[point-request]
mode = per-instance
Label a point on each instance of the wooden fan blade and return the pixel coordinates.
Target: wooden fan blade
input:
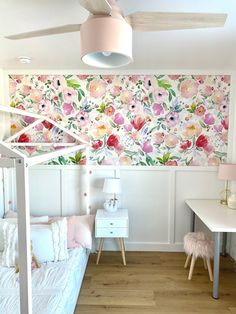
(163, 21)
(48, 31)
(98, 7)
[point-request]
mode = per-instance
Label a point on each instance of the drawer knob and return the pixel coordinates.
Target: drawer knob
(111, 223)
(111, 232)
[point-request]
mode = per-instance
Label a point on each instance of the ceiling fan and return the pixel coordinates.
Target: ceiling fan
(106, 36)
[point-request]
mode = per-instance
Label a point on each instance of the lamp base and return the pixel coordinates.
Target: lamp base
(111, 205)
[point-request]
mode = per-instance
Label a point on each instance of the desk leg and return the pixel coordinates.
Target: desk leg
(224, 243)
(215, 294)
(193, 222)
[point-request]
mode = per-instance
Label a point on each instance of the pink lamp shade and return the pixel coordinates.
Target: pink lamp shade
(227, 172)
(106, 42)
(112, 186)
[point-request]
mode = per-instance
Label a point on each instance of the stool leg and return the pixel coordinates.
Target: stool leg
(209, 268)
(205, 263)
(187, 261)
(193, 260)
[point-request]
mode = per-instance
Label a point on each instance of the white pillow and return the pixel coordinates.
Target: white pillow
(2, 221)
(49, 242)
(33, 220)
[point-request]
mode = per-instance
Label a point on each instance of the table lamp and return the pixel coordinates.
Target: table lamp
(111, 186)
(226, 172)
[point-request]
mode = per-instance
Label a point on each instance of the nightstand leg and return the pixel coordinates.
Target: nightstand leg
(122, 244)
(100, 249)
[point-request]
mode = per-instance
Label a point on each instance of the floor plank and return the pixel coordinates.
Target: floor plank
(153, 282)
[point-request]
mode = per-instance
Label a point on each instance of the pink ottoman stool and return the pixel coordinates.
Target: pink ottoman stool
(197, 244)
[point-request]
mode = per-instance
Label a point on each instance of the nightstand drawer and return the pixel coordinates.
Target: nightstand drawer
(111, 232)
(114, 223)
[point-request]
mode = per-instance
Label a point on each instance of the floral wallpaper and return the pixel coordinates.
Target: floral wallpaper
(146, 120)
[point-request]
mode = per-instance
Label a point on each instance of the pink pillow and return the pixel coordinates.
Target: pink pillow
(79, 231)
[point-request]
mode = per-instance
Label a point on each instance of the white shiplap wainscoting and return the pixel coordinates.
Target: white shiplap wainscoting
(154, 197)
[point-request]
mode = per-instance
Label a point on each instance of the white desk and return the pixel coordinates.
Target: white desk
(218, 218)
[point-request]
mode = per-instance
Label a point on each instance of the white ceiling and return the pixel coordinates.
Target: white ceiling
(208, 49)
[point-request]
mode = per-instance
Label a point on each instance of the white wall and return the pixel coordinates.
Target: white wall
(154, 197)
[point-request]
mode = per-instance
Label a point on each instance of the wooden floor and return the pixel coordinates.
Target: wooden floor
(153, 282)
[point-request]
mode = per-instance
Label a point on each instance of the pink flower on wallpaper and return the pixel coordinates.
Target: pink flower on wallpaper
(200, 111)
(83, 77)
(67, 109)
(209, 119)
(112, 141)
(171, 163)
(209, 149)
(174, 77)
(25, 90)
(138, 122)
(128, 127)
(226, 79)
(218, 96)
(149, 82)
(225, 123)
(208, 90)
(108, 78)
(118, 119)
(147, 147)
(43, 78)
(158, 138)
(97, 144)
(172, 119)
(186, 145)
(191, 129)
(157, 109)
(224, 107)
(188, 88)
(126, 96)
(97, 88)
(202, 141)
(218, 128)
(28, 119)
(116, 90)
(70, 95)
(171, 140)
(59, 82)
(82, 118)
(134, 107)
(44, 106)
(36, 95)
(200, 78)
(39, 127)
(224, 136)
(109, 111)
(160, 95)
(134, 78)
(119, 149)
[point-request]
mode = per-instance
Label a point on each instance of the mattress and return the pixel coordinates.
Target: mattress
(55, 286)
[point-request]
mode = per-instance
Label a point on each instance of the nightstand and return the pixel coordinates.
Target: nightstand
(112, 225)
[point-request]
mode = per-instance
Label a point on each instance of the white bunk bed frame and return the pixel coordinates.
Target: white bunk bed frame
(11, 157)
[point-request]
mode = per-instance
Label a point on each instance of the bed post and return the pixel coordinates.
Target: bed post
(22, 183)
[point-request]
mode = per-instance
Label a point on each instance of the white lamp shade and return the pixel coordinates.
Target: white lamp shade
(112, 186)
(106, 42)
(227, 172)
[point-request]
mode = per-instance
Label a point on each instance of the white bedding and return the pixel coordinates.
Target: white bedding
(55, 286)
